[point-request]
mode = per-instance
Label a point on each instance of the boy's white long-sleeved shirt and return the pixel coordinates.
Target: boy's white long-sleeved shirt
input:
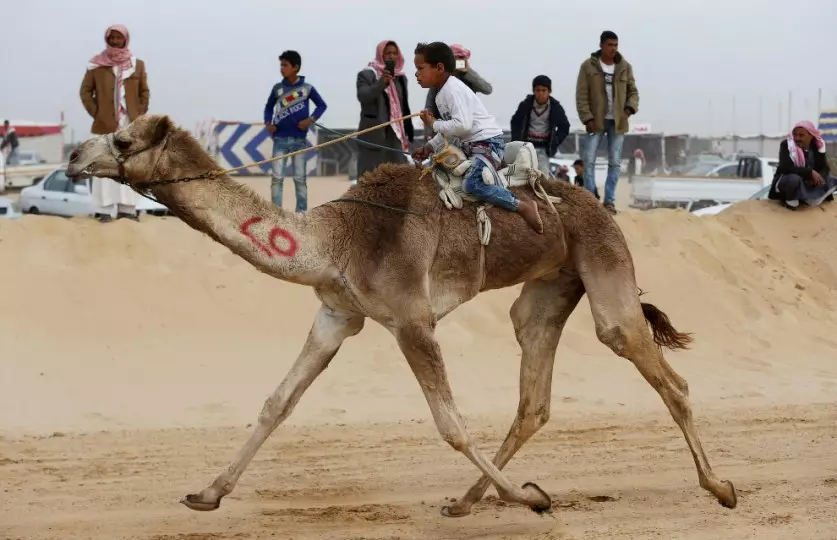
(463, 115)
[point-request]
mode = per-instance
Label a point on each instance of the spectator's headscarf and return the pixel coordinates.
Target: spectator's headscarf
(460, 52)
(378, 65)
(112, 56)
(797, 154)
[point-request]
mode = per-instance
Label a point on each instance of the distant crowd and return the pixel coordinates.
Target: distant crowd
(114, 91)
(606, 97)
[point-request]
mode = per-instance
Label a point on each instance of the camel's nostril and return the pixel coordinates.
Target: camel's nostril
(74, 155)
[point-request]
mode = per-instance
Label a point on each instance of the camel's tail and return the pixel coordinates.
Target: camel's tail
(665, 335)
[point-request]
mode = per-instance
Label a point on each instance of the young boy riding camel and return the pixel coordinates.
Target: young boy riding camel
(465, 118)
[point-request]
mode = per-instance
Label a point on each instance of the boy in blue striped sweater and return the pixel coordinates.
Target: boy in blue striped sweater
(287, 119)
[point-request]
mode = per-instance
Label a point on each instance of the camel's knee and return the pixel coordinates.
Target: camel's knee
(678, 403)
(616, 336)
(456, 438)
(532, 418)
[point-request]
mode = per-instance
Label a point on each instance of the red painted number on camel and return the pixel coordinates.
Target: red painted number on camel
(276, 233)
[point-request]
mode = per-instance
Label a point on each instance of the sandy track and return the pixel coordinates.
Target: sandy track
(609, 476)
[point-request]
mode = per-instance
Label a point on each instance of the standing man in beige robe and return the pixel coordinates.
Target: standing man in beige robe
(114, 92)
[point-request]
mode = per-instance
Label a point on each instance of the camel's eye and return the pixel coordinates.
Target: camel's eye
(122, 144)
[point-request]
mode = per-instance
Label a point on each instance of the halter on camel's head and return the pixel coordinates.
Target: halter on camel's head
(131, 155)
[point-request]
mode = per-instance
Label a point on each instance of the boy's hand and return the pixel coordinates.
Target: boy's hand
(421, 154)
(427, 118)
(271, 128)
(305, 123)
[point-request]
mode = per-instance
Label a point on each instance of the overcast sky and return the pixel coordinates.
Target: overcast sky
(218, 58)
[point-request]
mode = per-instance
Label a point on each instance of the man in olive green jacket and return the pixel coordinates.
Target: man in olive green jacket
(605, 97)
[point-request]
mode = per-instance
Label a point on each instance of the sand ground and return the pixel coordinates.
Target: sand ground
(135, 356)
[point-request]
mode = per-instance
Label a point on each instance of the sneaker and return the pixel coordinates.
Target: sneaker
(610, 207)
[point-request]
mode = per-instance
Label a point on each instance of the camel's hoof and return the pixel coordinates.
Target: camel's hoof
(448, 511)
(194, 502)
(545, 504)
(729, 500)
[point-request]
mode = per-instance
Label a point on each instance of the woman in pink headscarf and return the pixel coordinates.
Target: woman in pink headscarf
(382, 93)
(803, 173)
(114, 92)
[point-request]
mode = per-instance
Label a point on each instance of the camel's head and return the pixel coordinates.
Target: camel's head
(132, 154)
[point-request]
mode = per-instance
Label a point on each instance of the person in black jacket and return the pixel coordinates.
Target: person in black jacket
(10, 140)
(803, 173)
(540, 119)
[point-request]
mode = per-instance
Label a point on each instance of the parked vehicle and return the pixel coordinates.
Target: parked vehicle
(706, 184)
(718, 208)
(57, 195)
(29, 157)
(562, 160)
(7, 209)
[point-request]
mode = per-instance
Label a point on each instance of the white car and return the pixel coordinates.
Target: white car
(56, 195)
(718, 208)
(562, 160)
(7, 209)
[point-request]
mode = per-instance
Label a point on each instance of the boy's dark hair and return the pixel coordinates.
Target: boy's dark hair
(437, 53)
(606, 35)
(293, 58)
(578, 162)
(542, 80)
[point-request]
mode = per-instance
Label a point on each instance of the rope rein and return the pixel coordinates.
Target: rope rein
(208, 175)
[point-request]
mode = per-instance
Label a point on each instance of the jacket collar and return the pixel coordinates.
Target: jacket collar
(596, 56)
(299, 80)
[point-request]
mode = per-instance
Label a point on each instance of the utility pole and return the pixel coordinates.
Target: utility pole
(819, 103)
(709, 115)
(779, 123)
(761, 115)
(790, 109)
(733, 116)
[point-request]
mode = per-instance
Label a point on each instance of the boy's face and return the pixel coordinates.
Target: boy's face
(428, 76)
(541, 94)
(578, 169)
(286, 69)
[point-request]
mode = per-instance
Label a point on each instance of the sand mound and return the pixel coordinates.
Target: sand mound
(153, 325)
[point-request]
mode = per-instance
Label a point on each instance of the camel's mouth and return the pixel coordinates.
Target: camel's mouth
(74, 173)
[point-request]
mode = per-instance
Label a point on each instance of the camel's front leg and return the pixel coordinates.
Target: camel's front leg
(539, 315)
(425, 359)
(324, 339)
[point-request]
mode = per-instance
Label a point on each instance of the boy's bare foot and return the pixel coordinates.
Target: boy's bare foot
(528, 210)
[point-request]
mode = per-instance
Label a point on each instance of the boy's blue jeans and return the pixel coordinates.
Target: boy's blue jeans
(286, 145)
(614, 158)
(487, 153)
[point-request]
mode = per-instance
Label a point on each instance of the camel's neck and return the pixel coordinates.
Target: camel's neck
(281, 244)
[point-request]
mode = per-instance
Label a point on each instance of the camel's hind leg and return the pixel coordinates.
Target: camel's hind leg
(622, 324)
(327, 334)
(415, 338)
(538, 315)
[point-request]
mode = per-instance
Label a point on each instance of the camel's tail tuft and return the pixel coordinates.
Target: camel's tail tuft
(665, 335)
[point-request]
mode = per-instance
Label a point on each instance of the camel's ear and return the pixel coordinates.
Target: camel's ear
(162, 128)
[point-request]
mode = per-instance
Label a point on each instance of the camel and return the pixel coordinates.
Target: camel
(391, 252)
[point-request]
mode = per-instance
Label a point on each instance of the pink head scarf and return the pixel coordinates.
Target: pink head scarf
(392, 94)
(111, 56)
(460, 52)
(798, 154)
